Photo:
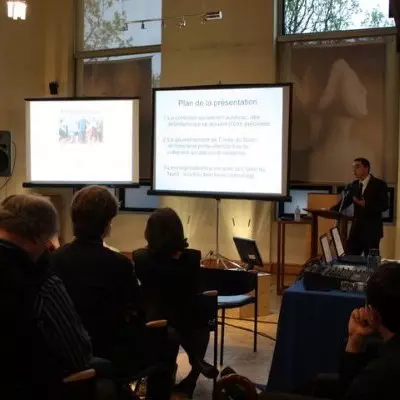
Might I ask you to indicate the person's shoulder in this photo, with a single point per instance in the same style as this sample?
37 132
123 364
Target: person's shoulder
118 262
192 252
62 249
60 255
142 252
118 257
378 181
50 285
385 370
141 255
193 255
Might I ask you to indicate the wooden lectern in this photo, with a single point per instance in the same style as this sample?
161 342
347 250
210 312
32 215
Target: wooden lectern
326 213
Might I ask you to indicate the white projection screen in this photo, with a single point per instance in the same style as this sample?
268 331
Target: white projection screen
222 141
82 141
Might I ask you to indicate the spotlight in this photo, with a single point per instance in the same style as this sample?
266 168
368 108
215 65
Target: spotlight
16 9
182 23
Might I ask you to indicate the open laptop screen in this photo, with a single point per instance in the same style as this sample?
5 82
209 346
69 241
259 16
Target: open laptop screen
326 249
337 241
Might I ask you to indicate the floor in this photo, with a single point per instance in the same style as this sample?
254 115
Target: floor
238 352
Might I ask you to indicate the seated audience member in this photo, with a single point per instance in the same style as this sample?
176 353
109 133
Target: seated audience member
377 379
104 289
42 339
169 275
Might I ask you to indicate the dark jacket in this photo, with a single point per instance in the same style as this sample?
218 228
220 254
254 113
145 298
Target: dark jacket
367 220
41 336
103 287
375 380
171 287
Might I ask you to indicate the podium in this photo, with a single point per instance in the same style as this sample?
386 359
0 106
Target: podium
326 213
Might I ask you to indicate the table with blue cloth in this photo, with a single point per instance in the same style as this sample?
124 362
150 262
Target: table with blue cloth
311 337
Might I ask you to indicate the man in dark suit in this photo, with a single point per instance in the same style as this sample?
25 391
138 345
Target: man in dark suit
369 197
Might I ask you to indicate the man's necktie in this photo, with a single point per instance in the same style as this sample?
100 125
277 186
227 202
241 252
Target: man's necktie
360 189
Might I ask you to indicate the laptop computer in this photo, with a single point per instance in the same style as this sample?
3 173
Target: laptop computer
339 248
327 254
326 249
248 252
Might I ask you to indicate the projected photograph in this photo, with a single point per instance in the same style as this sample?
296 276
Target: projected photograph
80 128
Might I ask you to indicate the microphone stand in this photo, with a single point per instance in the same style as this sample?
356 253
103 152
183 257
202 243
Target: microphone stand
345 193
216 255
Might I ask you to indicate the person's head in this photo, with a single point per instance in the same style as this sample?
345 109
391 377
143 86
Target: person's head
92 210
361 167
383 295
30 221
164 233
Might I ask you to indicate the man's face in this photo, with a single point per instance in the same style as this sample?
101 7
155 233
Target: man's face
359 170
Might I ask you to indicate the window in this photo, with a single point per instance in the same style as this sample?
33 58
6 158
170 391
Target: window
313 16
112 24
130 76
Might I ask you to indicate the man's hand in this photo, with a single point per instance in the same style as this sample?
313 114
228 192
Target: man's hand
363 322
359 202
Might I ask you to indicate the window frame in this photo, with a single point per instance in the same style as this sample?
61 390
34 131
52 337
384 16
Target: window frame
80 51
331 35
80 54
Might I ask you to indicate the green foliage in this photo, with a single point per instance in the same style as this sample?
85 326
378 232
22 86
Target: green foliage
103 27
156 80
306 16
376 19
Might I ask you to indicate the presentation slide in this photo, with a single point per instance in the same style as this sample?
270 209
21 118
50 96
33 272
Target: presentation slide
83 141
221 140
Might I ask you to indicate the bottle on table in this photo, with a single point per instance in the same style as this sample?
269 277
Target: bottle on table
373 259
297 214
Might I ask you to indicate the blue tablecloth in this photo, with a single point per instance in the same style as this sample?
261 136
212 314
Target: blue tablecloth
311 337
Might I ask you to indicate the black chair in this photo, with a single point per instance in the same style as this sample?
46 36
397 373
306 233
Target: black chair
157 333
209 300
233 288
79 386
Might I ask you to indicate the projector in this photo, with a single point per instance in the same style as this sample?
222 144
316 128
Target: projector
213 15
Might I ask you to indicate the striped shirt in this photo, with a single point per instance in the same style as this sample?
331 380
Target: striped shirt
61 327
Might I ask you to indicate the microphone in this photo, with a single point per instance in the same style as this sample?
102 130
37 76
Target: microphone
347 188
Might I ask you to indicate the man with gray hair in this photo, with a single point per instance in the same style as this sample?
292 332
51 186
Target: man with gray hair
42 339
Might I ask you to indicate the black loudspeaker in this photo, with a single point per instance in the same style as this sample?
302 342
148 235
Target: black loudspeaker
53 88
5 153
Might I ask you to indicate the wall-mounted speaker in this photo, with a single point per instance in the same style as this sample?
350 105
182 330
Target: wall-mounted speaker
5 153
53 88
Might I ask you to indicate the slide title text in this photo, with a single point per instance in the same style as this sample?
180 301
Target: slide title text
216 103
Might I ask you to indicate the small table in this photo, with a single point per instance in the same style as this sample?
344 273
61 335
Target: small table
312 334
280 267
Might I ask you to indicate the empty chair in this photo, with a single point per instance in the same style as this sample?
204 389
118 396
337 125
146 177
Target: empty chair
234 288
